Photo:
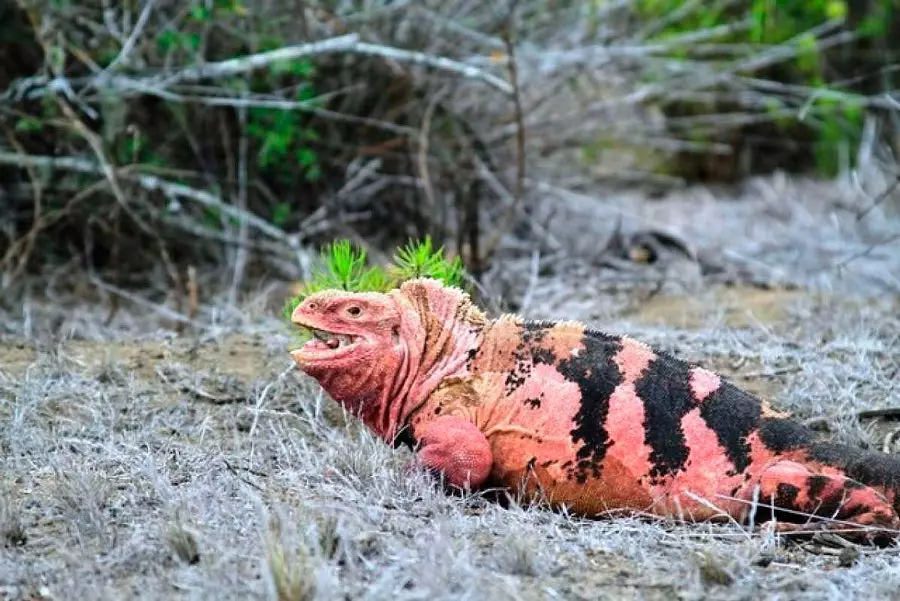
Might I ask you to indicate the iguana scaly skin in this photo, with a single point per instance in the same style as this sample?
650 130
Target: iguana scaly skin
591 421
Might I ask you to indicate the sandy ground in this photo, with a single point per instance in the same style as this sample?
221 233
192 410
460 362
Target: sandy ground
140 463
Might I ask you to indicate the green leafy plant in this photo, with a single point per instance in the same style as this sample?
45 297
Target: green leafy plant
284 139
416 260
285 146
834 125
345 267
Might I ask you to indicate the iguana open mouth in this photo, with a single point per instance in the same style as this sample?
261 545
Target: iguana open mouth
330 339
325 345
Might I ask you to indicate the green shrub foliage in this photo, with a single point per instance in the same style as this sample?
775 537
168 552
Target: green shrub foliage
344 266
834 111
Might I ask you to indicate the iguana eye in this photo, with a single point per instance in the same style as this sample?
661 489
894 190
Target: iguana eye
354 310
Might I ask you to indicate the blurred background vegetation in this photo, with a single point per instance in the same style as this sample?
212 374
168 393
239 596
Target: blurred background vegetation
146 138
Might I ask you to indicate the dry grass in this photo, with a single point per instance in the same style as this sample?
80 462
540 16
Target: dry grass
137 463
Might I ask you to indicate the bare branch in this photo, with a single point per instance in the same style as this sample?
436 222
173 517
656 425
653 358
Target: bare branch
252 62
307 106
132 39
148 182
878 199
869 249
159 85
438 62
161 310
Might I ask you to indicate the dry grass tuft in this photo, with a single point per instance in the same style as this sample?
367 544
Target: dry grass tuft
298 562
291 573
12 529
715 571
519 556
183 542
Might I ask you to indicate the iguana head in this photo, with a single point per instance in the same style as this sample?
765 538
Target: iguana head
355 340
377 353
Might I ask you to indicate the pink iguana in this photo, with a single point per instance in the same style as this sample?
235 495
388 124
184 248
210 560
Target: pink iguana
592 421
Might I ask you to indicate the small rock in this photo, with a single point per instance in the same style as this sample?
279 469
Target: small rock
848 557
713 572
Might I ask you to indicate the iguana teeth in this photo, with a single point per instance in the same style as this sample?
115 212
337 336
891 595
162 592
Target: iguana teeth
332 339
320 334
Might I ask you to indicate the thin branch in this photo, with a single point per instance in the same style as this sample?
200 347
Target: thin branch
150 183
547 60
28 241
107 169
238 66
812 94
878 199
307 106
156 308
129 44
240 252
866 251
438 62
252 62
47 221
422 155
519 115
519 194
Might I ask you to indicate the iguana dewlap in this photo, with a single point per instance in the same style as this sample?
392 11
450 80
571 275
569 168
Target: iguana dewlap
591 421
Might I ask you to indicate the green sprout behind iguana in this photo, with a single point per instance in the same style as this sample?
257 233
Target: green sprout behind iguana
345 267
421 260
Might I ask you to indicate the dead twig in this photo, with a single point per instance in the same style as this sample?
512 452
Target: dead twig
193 292
505 222
772 373
890 413
132 39
150 183
422 155
240 252
878 199
817 549
868 250
346 43
47 221
246 481
20 251
889 440
107 169
159 85
156 308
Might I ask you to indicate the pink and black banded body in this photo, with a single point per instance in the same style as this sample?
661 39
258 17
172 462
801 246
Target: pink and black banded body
599 423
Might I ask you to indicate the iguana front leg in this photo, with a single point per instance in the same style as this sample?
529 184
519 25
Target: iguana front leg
455 448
